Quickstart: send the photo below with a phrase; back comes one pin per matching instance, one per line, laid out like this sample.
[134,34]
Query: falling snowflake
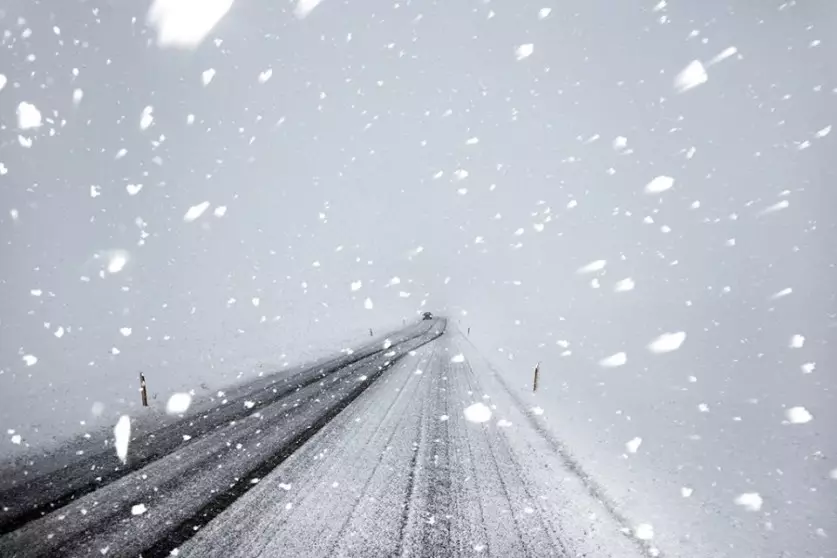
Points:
[723,55]
[117,261]
[185,24]
[823,132]
[593,266]
[122,437]
[524,51]
[305,7]
[798,415]
[644,532]
[195,211]
[624,285]
[751,501]
[667,342]
[138,509]
[615,360]
[28,116]
[146,118]
[778,206]
[782,293]
[478,412]
[207,76]
[659,184]
[178,403]
[690,77]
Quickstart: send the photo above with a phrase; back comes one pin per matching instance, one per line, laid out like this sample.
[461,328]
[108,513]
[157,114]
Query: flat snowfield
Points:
[413,448]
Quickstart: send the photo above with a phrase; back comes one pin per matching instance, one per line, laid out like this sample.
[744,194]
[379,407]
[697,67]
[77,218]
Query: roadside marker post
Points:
[143,391]
[535,382]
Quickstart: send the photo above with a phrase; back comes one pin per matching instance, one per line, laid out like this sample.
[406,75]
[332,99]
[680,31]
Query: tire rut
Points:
[104,522]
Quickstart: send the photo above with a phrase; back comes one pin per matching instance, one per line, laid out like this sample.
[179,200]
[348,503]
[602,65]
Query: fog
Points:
[571,181]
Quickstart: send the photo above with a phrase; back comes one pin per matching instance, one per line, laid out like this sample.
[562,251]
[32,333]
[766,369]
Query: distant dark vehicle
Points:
[427,316]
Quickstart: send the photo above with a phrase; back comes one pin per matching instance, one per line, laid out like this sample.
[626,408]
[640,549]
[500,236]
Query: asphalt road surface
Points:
[414,447]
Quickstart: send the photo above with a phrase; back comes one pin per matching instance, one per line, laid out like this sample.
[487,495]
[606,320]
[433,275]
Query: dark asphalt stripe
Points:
[245,435]
[222,500]
[42,495]
[76,537]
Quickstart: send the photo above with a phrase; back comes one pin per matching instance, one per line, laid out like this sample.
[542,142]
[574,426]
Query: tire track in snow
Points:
[200,480]
[403,419]
[37,495]
[568,462]
[518,548]
[414,485]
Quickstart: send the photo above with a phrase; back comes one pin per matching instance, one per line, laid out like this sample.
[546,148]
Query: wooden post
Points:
[535,382]
[143,391]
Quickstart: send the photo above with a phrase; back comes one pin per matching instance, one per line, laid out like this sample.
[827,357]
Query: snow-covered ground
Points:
[435,458]
[636,194]
[717,454]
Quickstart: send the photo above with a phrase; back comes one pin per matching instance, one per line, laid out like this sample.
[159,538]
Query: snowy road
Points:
[416,449]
